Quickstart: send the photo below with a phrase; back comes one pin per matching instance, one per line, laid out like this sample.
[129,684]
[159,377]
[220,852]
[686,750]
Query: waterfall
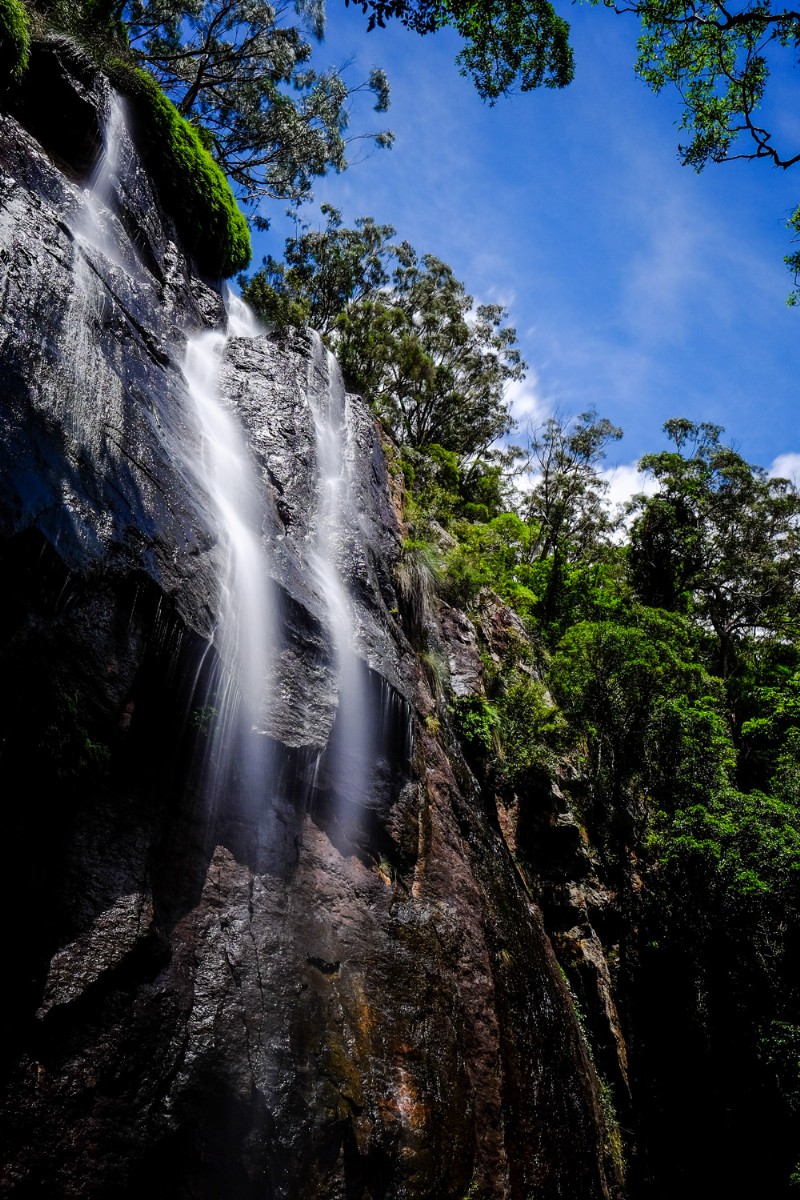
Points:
[350,756]
[97,226]
[101,252]
[243,637]
[231,707]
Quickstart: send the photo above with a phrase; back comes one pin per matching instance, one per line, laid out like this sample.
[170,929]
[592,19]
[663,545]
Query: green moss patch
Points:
[15,39]
[192,187]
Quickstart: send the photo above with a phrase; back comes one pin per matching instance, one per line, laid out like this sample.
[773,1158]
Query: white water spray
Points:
[101,252]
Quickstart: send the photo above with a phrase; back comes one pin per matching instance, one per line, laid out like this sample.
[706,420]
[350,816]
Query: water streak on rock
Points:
[353,746]
[234,715]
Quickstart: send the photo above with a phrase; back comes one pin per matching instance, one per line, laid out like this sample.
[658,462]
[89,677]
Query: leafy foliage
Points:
[652,715]
[793,260]
[272,121]
[477,721]
[748,845]
[532,731]
[322,273]
[435,371]
[567,501]
[717,55]
[521,42]
[719,537]
[493,554]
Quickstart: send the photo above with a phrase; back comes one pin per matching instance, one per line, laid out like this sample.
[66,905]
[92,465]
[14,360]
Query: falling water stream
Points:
[218,460]
[235,705]
[351,753]
[243,637]
[96,226]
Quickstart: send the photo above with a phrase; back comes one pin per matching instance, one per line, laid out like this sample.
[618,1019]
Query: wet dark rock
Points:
[463,657]
[294,995]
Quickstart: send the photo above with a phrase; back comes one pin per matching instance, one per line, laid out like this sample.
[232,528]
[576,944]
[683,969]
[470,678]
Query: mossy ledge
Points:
[15,40]
[192,187]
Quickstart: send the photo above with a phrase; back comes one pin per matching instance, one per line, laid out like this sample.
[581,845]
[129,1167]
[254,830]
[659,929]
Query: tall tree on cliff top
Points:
[237,70]
[719,539]
[435,370]
[404,330]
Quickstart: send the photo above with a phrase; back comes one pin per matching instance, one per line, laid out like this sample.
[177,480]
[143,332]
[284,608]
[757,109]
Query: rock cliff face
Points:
[294,995]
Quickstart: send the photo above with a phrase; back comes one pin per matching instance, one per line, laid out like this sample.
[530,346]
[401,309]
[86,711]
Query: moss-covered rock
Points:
[192,187]
[15,39]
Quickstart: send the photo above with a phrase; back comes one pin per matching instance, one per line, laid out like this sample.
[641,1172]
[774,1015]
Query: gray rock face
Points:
[294,995]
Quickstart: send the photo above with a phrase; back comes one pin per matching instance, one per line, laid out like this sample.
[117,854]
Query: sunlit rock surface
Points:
[296,995]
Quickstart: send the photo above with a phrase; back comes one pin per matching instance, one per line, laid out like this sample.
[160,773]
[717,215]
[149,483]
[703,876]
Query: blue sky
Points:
[636,286]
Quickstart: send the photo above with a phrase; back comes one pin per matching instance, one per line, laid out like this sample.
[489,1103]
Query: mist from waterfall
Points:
[100,250]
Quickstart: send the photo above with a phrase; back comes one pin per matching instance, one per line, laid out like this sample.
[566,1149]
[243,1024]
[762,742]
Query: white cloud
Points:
[625,481]
[528,405]
[786,466]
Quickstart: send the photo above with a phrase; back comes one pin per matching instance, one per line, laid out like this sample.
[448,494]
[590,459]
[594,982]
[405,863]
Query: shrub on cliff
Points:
[192,186]
[14,39]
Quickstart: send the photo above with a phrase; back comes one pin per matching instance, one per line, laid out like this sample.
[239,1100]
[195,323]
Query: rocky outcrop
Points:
[552,853]
[292,995]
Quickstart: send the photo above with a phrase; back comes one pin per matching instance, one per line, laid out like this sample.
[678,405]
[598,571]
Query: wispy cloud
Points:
[786,466]
[529,405]
[625,481]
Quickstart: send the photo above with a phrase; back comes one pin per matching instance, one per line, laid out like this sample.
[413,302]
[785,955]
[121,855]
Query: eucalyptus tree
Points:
[719,539]
[508,44]
[567,502]
[241,71]
[567,508]
[434,365]
[322,272]
[407,333]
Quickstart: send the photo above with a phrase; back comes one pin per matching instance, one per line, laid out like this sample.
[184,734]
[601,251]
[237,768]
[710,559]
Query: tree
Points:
[508,42]
[720,539]
[404,330]
[717,55]
[652,716]
[567,508]
[567,502]
[323,271]
[269,118]
[435,370]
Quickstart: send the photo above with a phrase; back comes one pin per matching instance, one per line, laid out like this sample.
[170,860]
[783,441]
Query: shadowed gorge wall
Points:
[304,993]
